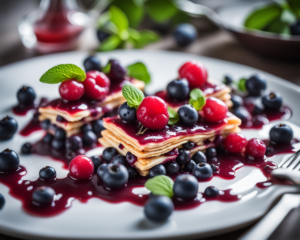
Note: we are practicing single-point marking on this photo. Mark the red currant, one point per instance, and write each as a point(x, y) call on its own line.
point(71, 90)
point(96, 85)
point(255, 148)
point(214, 110)
point(81, 168)
point(153, 113)
point(195, 73)
point(235, 143)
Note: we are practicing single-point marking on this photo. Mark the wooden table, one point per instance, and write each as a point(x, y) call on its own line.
point(211, 42)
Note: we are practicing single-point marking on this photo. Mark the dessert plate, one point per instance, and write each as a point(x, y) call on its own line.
point(98, 219)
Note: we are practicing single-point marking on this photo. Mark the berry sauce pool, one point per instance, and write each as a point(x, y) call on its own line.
point(68, 190)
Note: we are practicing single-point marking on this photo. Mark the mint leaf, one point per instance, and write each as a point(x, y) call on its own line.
point(63, 72)
point(241, 85)
point(197, 99)
point(160, 11)
point(110, 43)
point(160, 185)
point(173, 116)
point(261, 17)
point(145, 37)
point(139, 71)
point(133, 95)
point(106, 69)
point(118, 18)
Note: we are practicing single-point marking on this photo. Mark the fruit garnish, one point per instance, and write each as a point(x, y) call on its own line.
point(202, 171)
point(8, 128)
point(153, 113)
point(81, 168)
point(96, 85)
point(47, 173)
point(185, 186)
point(92, 63)
point(255, 148)
point(272, 101)
point(235, 143)
point(256, 85)
point(195, 73)
point(214, 110)
point(197, 99)
point(158, 208)
point(281, 134)
point(126, 113)
point(9, 160)
point(178, 89)
point(114, 175)
point(71, 90)
point(43, 195)
point(188, 115)
point(160, 185)
point(26, 96)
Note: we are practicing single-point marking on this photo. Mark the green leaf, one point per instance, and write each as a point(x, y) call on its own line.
point(261, 17)
point(160, 185)
point(197, 99)
point(295, 7)
point(139, 71)
point(288, 17)
point(161, 10)
point(118, 18)
point(173, 116)
point(241, 85)
point(132, 9)
point(145, 37)
point(110, 43)
point(106, 69)
point(133, 95)
point(63, 72)
point(279, 27)
point(102, 20)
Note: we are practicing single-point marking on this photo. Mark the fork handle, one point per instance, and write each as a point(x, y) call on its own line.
point(287, 174)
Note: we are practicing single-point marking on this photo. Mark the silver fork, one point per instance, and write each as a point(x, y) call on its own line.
point(289, 169)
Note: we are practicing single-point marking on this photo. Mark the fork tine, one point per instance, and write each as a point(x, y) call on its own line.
point(288, 163)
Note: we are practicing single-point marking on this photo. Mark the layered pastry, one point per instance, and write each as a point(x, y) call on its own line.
point(153, 134)
point(193, 75)
point(100, 95)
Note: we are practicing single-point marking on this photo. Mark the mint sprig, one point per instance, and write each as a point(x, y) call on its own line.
point(241, 85)
point(133, 95)
point(197, 99)
point(139, 71)
point(173, 116)
point(160, 185)
point(63, 72)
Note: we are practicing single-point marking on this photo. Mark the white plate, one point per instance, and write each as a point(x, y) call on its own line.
point(101, 220)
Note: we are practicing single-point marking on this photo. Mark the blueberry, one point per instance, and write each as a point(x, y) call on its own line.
point(86, 127)
point(132, 172)
point(272, 101)
point(211, 191)
point(185, 186)
point(172, 167)
point(242, 114)
point(27, 148)
point(237, 101)
point(211, 153)
point(43, 195)
point(178, 89)
point(188, 115)
point(258, 108)
point(100, 169)
point(74, 143)
point(228, 80)
point(119, 159)
point(60, 134)
point(214, 168)
point(157, 170)
point(89, 138)
point(117, 72)
point(199, 157)
point(102, 35)
point(130, 158)
point(48, 138)
point(92, 63)
point(97, 127)
point(126, 113)
point(2, 201)
point(58, 144)
point(109, 153)
point(8, 128)
point(190, 166)
point(184, 34)
point(203, 171)
point(188, 145)
point(96, 161)
point(9, 160)
point(183, 157)
point(114, 175)
point(45, 124)
point(47, 173)
point(295, 28)
point(256, 85)
point(281, 133)
point(159, 208)
point(26, 95)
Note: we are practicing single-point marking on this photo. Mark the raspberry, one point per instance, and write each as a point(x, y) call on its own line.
point(235, 143)
point(214, 110)
point(96, 85)
point(71, 90)
point(195, 73)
